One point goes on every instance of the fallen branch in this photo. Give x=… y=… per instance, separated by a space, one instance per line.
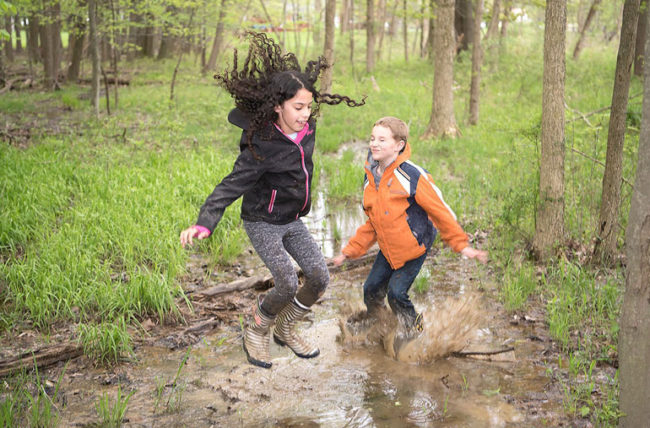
x=463 y=354
x=584 y=116
x=41 y=358
x=263 y=282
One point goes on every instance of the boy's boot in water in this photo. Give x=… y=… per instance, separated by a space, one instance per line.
x=407 y=330
x=284 y=332
x=257 y=338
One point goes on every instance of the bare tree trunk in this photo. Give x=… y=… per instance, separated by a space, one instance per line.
x=32 y=39
x=218 y=39
x=318 y=22
x=607 y=232
x=370 y=36
x=443 y=122
x=147 y=36
x=405 y=32
x=168 y=40
x=640 y=39
x=493 y=27
x=585 y=28
x=8 y=48
x=430 y=47
x=77 y=37
x=381 y=28
x=463 y=23
x=18 y=26
x=345 y=15
x=94 y=53
x=634 y=337
x=328 y=49
x=477 y=57
x=423 y=8
x=549 y=225
x=351 y=31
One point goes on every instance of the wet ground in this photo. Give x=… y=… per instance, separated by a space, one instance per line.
x=202 y=379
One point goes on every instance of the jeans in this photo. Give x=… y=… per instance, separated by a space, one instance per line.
x=384 y=279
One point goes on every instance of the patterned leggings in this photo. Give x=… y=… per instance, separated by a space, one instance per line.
x=274 y=244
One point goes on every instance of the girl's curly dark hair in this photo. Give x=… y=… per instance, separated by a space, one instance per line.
x=268 y=78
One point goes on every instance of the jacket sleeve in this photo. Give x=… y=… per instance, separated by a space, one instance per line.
x=245 y=173
x=429 y=197
x=362 y=240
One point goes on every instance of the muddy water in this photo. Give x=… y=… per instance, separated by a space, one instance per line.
x=347 y=385
x=353 y=383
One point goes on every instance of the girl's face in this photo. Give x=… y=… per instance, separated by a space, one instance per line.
x=294 y=112
x=384 y=148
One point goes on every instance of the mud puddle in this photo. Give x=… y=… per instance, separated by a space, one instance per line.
x=349 y=384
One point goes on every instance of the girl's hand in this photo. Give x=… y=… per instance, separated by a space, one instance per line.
x=192 y=232
x=338 y=260
x=472 y=253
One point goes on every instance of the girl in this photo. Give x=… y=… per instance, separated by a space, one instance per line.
x=276 y=104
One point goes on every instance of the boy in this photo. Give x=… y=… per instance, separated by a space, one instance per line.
x=401 y=202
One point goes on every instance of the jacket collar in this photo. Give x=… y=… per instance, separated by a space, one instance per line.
x=401 y=158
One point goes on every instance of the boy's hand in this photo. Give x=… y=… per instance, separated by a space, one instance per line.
x=338 y=260
x=472 y=253
x=192 y=232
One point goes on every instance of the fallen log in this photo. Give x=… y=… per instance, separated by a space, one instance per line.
x=40 y=358
x=109 y=80
x=263 y=282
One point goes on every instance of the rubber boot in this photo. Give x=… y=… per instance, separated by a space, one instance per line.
x=407 y=330
x=284 y=332
x=257 y=338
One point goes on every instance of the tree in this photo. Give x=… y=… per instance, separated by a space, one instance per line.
x=549 y=225
x=607 y=228
x=463 y=23
x=370 y=36
x=443 y=122
x=218 y=39
x=640 y=39
x=634 y=338
x=330 y=13
x=477 y=55
x=50 y=36
x=76 y=41
x=590 y=16
x=94 y=53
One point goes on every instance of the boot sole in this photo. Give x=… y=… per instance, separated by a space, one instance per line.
x=282 y=343
x=255 y=362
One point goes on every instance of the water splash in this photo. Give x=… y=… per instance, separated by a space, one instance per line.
x=448 y=328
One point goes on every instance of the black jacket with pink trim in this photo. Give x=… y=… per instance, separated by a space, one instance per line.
x=276 y=187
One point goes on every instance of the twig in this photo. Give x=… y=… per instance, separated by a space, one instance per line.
x=600 y=110
x=599 y=163
x=462 y=354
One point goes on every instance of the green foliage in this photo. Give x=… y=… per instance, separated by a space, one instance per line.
x=106 y=342
x=112 y=414
x=422 y=282
x=518 y=284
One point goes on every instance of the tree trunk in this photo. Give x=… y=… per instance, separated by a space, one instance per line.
x=345 y=17
x=370 y=36
x=380 y=26
x=585 y=27
x=318 y=22
x=8 y=48
x=430 y=47
x=443 y=121
x=549 y=227
x=94 y=54
x=351 y=31
x=405 y=32
x=640 y=39
x=32 y=39
x=423 y=8
x=607 y=232
x=493 y=27
x=49 y=46
x=168 y=40
x=77 y=37
x=328 y=48
x=477 y=57
x=18 y=25
x=634 y=337
x=147 y=37
x=218 y=39
x=463 y=23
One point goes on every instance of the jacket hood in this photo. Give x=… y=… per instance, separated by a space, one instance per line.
x=239 y=119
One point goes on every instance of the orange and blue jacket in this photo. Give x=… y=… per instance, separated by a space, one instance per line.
x=402 y=210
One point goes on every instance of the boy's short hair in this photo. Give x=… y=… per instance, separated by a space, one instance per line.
x=399 y=129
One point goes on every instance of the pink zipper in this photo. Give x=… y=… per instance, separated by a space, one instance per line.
x=273 y=193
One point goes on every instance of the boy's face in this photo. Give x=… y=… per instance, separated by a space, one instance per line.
x=384 y=148
x=294 y=113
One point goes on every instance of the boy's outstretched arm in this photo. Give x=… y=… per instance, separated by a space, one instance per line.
x=473 y=253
